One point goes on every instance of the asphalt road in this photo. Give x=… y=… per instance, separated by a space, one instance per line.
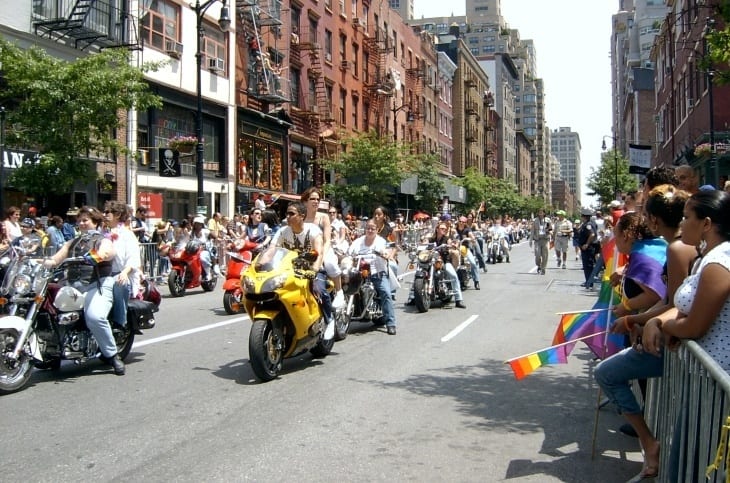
x=434 y=403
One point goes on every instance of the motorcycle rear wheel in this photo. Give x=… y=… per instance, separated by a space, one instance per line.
x=232 y=302
x=13 y=377
x=209 y=285
x=176 y=284
x=266 y=347
x=420 y=295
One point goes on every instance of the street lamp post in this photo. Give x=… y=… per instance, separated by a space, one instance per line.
x=224 y=22
x=396 y=110
x=2 y=159
x=615 y=160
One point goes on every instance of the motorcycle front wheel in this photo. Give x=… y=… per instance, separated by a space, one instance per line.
x=232 y=302
x=209 y=285
x=342 y=324
x=14 y=375
x=176 y=284
x=421 y=297
x=266 y=347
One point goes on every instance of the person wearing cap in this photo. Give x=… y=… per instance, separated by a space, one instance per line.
x=69 y=226
x=29 y=240
x=563 y=232
x=200 y=233
x=587 y=236
x=542 y=228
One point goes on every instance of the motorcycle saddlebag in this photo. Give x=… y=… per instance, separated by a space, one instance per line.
x=140 y=314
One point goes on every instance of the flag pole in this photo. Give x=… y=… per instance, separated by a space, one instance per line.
x=605 y=348
x=571 y=341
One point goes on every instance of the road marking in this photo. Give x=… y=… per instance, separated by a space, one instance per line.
x=459 y=328
x=188 y=332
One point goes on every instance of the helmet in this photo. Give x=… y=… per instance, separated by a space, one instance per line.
x=351 y=281
x=150 y=292
x=192 y=247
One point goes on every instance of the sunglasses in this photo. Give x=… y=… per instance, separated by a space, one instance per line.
x=313 y=199
x=256 y=212
x=333 y=212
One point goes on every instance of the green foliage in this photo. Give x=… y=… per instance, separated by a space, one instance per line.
x=430 y=183
x=602 y=181
x=67 y=111
x=370 y=170
x=718 y=47
x=500 y=197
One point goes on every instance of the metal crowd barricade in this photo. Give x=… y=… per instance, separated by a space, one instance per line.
x=686 y=409
x=150 y=256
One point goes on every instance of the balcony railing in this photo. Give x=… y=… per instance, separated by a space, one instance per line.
x=86 y=22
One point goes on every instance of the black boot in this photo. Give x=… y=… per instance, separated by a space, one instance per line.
x=116 y=362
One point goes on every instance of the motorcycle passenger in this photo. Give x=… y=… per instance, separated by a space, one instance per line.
x=385 y=231
x=201 y=234
x=311 y=198
x=441 y=237
x=256 y=230
x=301 y=236
x=464 y=233
x=368 y=243
x=478 y=247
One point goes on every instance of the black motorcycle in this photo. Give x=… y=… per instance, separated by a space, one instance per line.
x=44 y=322
x=431 y=282
x=363 y=303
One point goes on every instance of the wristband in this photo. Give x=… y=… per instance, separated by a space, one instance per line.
x=626 y=305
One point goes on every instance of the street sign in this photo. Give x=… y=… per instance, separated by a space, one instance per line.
x=201 y=210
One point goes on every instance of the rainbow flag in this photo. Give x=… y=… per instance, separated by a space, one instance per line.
x=576 y=325
x=525 y=365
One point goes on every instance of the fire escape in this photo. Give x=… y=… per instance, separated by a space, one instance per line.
x=265 y=82
x=417 y=78
x=315 y=106
x=85 y=24
x=379 y=84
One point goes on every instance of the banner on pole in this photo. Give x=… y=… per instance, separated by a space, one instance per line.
x=639 y=158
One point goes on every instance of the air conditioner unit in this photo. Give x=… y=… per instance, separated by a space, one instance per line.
x=173 y=49
x=327 y=57
x=345 y=64
x=358 y=22
x=216 y=65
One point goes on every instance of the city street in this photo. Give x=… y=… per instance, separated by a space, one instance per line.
x=433 y=403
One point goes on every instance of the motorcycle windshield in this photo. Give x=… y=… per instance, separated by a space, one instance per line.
x=270 y=260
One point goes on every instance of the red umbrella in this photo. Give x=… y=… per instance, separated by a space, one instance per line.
x=420 y=216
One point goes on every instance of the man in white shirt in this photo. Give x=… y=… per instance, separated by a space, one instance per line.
x=260 y=203
x=369 y=243
x=300 y=236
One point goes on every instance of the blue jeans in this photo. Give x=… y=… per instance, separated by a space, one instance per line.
x=615 y=373
x=382 y=286
x=97 y=305
x=474 y=268
x=455 y=284
x=596 y=270
x=319 y=288
x=119 y=306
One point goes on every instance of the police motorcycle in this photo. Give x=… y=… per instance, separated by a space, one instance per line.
x=286 y=319
x=44 y=318
x=431 y=283
x=363 y=303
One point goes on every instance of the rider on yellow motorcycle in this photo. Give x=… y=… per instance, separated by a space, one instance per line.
x=301 y=237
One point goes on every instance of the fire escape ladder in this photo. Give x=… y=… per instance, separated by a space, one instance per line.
x=380 y=84
x=417 y=79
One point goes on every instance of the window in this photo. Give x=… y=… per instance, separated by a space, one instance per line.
x=294 y=75
x=365 y=66
x=327 y=45
x=328 y=93
x=343 y=47
x=355 y=102
x=365 y=116
x=161 y=24
x=343 y=106
x=214 y=43
x=355 y=55
x=295 y=16
x=328 y=5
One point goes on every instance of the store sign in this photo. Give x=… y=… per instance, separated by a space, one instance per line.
x=151 y=201
x=15 y=158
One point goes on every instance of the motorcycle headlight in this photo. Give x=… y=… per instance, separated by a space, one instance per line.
x=21 y=285
x=248 y=284
x=424 y=256
x=274 y=283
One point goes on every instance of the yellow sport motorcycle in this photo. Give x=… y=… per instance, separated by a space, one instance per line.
x=286 y=317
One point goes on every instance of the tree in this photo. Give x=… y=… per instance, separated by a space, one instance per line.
x=370 y=170
x=718 y=47
x=475 y=184
x=68 y=112
x=602 y=181
x=430 y=183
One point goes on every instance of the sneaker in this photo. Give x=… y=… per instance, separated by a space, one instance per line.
x=564 y=265
x=391 y=330
x=339 y=300
x=411 y=302
x=460 y=304
x=329 y=330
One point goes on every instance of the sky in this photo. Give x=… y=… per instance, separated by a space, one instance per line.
x=572 y=41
